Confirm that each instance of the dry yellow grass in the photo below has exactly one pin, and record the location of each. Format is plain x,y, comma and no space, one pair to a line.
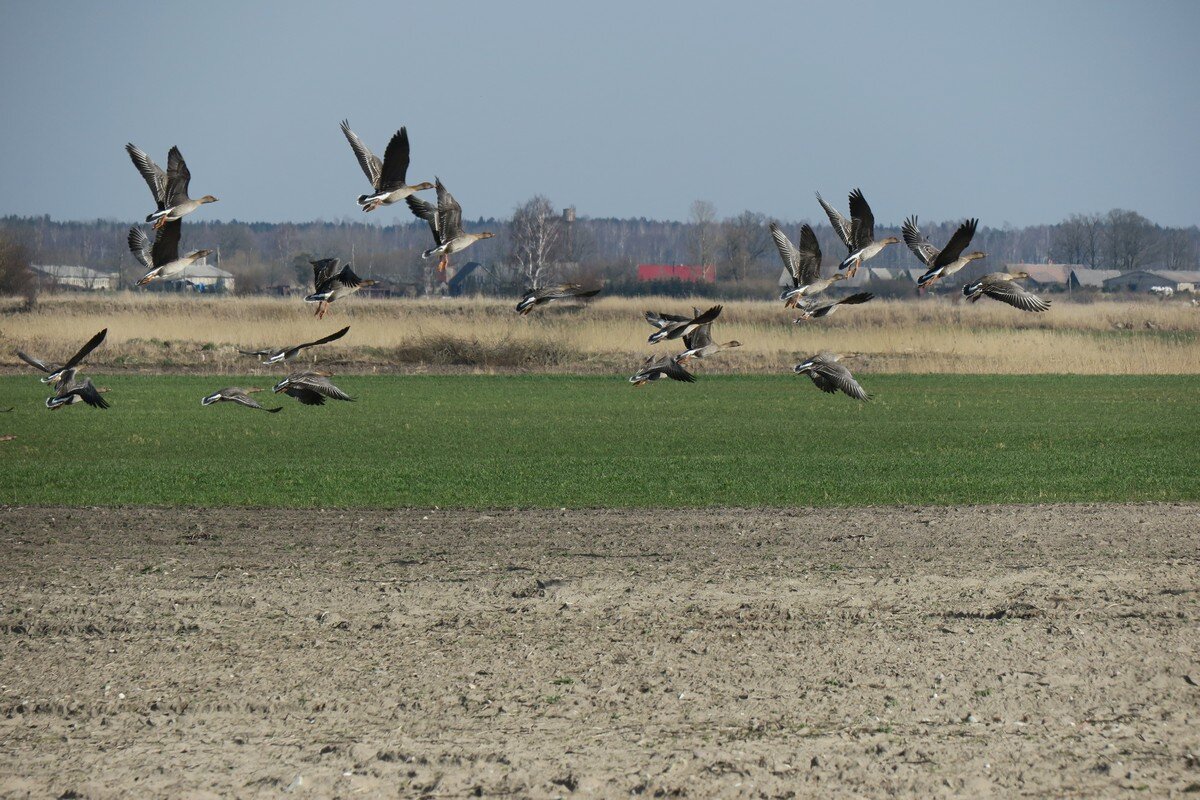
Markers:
187,333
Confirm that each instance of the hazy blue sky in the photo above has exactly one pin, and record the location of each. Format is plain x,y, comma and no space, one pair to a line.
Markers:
1017,112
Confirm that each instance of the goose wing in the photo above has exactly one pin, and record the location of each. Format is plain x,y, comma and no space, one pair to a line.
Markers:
677,372
841,225
153,174
810,256
37,363
427,212
372,167
139,245
178,178
1015,295
860,212
291,351
700,337
922,248
87,392
395,162
449,213
323,270
836,377
305,395
166,243
660,320
958,242
322,385
87,348
787,252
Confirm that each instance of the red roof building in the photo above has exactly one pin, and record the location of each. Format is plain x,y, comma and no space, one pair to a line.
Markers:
666,272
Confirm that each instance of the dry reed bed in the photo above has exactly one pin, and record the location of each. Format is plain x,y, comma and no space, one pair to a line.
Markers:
185,333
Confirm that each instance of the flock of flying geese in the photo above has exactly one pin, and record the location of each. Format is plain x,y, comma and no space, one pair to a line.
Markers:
388,178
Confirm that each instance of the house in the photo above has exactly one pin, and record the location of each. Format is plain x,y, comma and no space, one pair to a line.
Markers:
203,277
1084,278
1045,276
666,272
76,277
1143,280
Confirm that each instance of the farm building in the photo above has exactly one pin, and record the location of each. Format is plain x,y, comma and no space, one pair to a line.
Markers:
1045,276
1141,280
203,277
75,277
666,272
1084,278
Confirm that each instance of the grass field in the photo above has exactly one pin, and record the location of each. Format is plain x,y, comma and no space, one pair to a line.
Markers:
928,335
549,441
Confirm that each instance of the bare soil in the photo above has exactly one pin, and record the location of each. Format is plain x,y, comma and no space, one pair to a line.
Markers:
992,651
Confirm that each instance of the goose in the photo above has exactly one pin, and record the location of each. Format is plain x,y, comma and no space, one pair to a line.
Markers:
944,262
1002,286
830,376
170,188
311,388
70,390
387,177
331,283
276,356
804,262
162,259
548,294
236,394
857,233
671,326
816,311
663,366
445,222
54,372
700,344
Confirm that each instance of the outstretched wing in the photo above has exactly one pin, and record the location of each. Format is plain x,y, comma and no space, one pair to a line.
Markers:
787,252
395,162
324,386
841,225
860,212
372,167
1015,295
323,270
166,243
178,178
324,340
427,212
37,363
836,377
90,396
660,320
152,173
139,245
449,213
700,337
922,248
305,395
91,345
677,372
958,242
810,256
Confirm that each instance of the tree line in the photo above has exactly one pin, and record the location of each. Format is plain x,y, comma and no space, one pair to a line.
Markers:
541,242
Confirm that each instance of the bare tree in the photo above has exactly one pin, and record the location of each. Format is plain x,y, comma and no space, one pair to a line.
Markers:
1129,239
703,240
536,233
1177,249
16,278
744,242
1077,240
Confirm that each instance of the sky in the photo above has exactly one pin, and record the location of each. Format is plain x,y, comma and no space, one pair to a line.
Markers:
1015,112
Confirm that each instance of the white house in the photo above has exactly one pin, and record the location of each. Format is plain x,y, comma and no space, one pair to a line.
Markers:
76,277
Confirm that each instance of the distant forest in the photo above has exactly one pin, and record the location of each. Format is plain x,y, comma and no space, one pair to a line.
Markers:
541,242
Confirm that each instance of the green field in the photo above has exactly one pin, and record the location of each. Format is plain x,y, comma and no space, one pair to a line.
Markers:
481,441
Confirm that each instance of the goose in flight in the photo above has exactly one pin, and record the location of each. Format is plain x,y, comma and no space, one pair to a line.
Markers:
830,376
70,390
945,262
815,310
170,188
331,280
548,294
445,222
804,262
1002,286
311,388
700,344
236,394
54,372
162,260
664,366
672,326
283,354
857,233
387,177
